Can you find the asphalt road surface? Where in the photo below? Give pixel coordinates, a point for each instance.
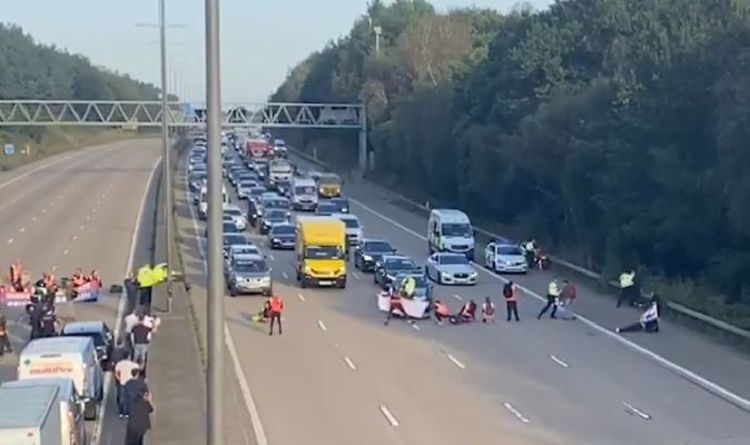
(338, 375)
(78, 209)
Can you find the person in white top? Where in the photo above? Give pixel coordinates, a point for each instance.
(123, 373)
(649, 321)
(132, 319)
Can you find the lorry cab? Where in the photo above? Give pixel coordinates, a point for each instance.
(320, 251)
(73, 426)
(329, 185)
(66, 357)
(30, 416)
(303, 194)
(450, 230)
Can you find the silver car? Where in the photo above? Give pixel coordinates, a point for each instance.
(502, 257)
(249, 274)
(450, 268)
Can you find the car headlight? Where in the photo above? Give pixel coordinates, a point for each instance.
(276, 240)
(367, 257)
(445, 276)
(473, 274)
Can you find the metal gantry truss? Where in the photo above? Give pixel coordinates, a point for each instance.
(100, 113)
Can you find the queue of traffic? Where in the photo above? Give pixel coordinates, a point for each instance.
(307, 212)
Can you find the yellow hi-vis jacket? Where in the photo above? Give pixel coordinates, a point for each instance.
(627, 279)
(408, 286)
(151, 276)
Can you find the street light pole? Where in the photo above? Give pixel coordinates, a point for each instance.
(165, 146)
(215, 384)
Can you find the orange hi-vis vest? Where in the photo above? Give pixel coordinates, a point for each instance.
(442, 309)
(513, 294)
(277, 304)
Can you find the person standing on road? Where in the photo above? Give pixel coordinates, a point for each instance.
(123, 374)
(4, 341)
(49, 321)
(277, 307)
(510, 293)
(553, 293)
(139, 420)
(627, 287)
(394, 304)
(140, 339)
(568, 295)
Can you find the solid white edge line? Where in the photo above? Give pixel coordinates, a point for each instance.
(555, 359)
(389, 416)
(121, 304)
(636, 411)
(515, 412)
(322, 326)
(350, 363)
(456, 362)
(689, 375)
(247, 395)
(301, 297)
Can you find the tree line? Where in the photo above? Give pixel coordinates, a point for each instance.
(613, 130)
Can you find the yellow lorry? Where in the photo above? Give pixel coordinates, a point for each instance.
(321, 251)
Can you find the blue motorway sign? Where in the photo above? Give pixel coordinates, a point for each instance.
(9, 149)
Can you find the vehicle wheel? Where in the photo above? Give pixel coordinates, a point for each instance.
(303, 283)
(232, 292)
(90, 411)
(268, 292)
(375, 279)
(439, 278)
(356, 262)
(342, 284)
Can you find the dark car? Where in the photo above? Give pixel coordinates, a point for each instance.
(342, 204)
(326, 208)
(232, 239)
(99, 332)
(271, 217)
(423, 287)
(282, 236)
(369, 251)
(227, 227)
(391, 265)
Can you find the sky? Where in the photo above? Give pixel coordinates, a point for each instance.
(261, 40)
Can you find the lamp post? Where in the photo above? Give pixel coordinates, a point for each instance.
(215, 288)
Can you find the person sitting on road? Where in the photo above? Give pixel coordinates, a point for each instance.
(441, 311)
(488, 310)
(468, 311)
(16, 276)
(649, 321)
(50, 283)
(264, 314)
(95, 279)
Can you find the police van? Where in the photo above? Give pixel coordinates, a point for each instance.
(71, 357)
(450, 230)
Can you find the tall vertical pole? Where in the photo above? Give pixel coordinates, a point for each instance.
(215, 330)
(166, 167)
(363, 140)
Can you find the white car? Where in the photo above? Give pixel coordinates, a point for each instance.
(354, 229)
(505, 257)
(450, 268)
(237, 216)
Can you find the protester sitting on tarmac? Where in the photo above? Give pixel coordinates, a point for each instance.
(95, 278)
(488, 310)
(649, 321)
(469, 311)
(16, 276)
(441, 311)
(264, 314)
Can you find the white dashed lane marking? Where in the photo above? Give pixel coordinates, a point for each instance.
(33, 218)
(456, 362)
(458, 297)
(23, 229)
(285, 275)
(10, 241)
(515, 412)
(632, 409)
(350, 363)
(65, 252)
(558, 361)
(322, 326)
(301, 297)
(389, 416)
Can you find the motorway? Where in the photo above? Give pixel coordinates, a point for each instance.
(337, 375)
(78, 209)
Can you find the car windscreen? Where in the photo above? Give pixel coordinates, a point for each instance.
(234, 239)
(97, 337)
(323, 252)
(250, 250)
(257, 191)
(509, 250)
(251, 266)
(230, 228)
(275, 214)
(351, 223)
(283, 230)
(400, 264)
(340, 203)
(378, 246)
(304, 190)
(233, 212)
(276, 204)
(327, 207)
(453, 259)
(329, 180)
(457, 229)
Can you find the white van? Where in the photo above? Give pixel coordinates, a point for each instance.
(304, 194)
(73, 426)
(450, 230)
(203, 204)
(71, 357)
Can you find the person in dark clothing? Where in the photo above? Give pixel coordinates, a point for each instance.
(34, 311)
(136, 385)
(4, 341)
(49, 321)
(131, 289)
(510, 294)
(144, 298)
(139, 419)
